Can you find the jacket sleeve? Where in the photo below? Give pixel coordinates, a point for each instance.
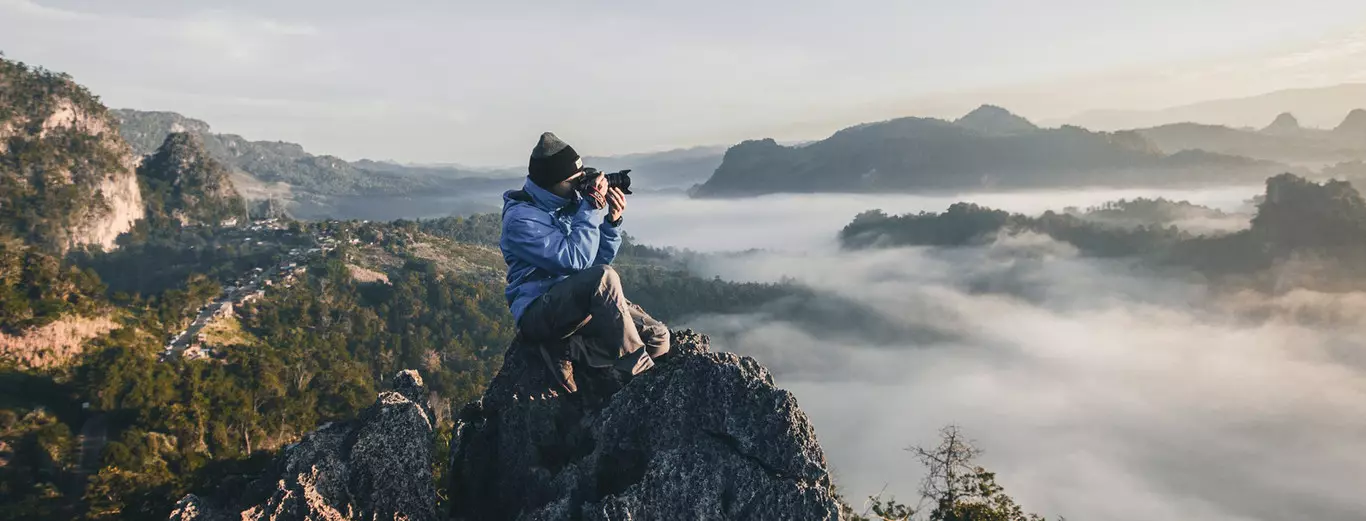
(534, 237)
(609, 243)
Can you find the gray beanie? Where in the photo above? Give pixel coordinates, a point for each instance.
(552, 161)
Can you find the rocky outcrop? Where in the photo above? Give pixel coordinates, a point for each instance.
(701, 436)
(186, 185)
(63, 162)
(375, 467)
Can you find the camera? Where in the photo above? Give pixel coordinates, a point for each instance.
(621, 180)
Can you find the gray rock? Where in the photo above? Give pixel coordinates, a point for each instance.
(375, 467)
(701, 436)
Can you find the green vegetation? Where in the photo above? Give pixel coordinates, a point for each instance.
(317, 352)
(37, 288)
(966, 224)
(49, 177)
(1127, 213)
(484, 228)
(182, 184)
(1319, 228)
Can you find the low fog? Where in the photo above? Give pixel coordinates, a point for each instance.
(1097, 389)
(803, 222)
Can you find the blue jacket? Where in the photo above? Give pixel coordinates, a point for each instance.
(547, 238)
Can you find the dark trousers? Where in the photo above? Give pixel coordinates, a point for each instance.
(620, 334)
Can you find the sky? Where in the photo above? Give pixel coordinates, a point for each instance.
(476, 82)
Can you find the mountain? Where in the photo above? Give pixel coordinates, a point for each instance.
(989, 148)
(272, 161)
(1284, 124)
(672, 169)
(993, 120)
(66, 177)
(1317, 107)
(431, 171)
(1283, 140)
(183, 183)
(1354, 126)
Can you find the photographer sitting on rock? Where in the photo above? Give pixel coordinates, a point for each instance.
(560, 234)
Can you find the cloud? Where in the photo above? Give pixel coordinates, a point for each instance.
(1098, 389)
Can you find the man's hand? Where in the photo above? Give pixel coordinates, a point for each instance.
(596, 193)
(616, 202)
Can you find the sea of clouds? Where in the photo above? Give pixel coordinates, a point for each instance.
(1097, 389)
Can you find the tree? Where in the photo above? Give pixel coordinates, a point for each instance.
(959, 488)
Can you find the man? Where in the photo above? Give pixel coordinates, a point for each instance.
(564, 294)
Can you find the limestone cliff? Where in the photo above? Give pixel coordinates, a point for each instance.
(66, 176)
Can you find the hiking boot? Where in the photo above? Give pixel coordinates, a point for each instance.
(561, 370)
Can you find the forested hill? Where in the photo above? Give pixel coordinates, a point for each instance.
(66, 178)
(274, 161)
(182, 182)
(989, 148)
(1320, 228)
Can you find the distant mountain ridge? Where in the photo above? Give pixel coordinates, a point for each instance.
(1284, 140)
(269, 161)
(987, 148)
(669, 169)
(1316, 107)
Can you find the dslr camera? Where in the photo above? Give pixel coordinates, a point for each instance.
(621, 180)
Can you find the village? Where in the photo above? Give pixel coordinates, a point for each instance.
(190, 343)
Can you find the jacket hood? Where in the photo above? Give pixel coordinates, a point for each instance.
(539, 197)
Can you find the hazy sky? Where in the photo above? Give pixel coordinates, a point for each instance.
(474, 82)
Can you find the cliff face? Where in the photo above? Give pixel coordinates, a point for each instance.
(702, 436)
(66, 176)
